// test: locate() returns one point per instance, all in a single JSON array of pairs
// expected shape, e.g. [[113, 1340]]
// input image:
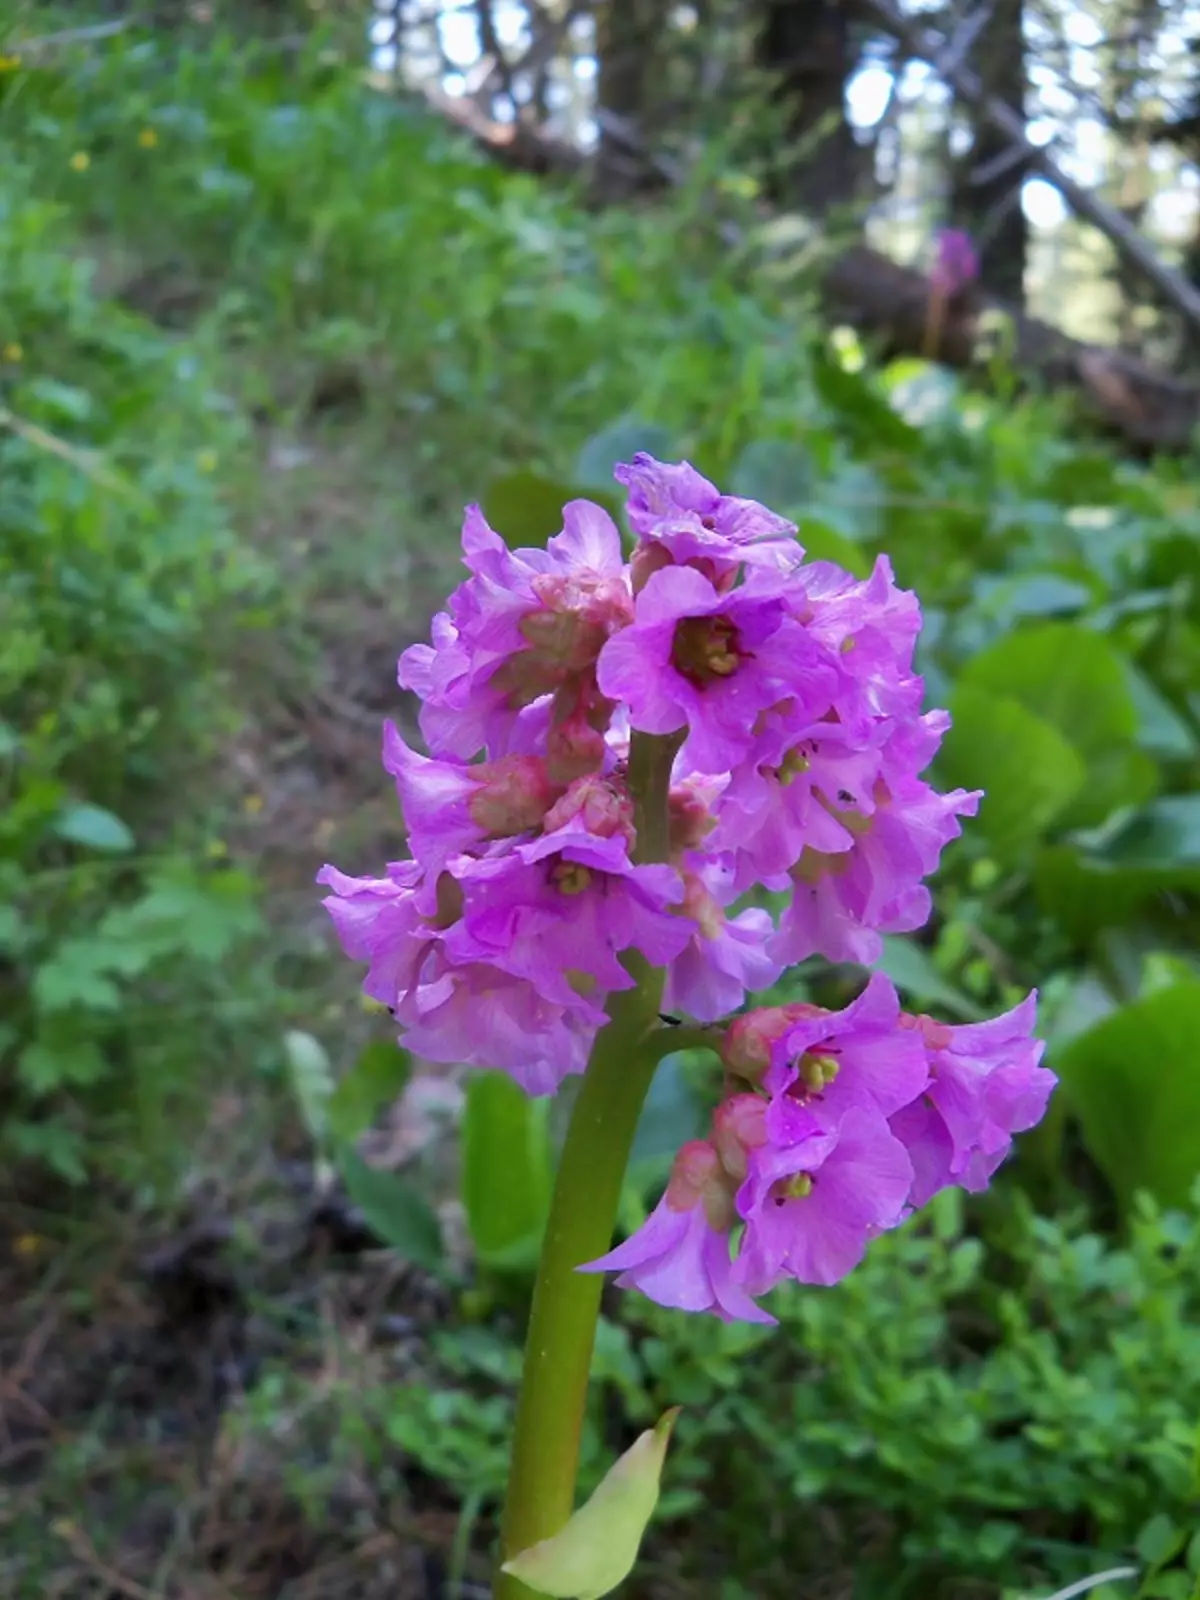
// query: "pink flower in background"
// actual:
[[955, 263]]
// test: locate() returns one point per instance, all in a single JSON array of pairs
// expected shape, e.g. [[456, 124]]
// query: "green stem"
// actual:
[[566, 1302]]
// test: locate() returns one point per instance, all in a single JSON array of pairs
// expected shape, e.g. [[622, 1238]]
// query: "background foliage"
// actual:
[[263, 329]]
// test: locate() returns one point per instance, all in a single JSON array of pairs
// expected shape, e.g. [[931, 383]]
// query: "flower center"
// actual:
[[817, 1072], [570, 877], [706, 648], [797, 1188]]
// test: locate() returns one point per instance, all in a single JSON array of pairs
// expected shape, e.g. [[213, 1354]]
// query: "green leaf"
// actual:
[[378, 1077], [599, 1545], [394, 1211], [311, 1076], [621, 441], [777, 473], [527, 509], [823, 543], [1160, 1539], [1133, 1082], [1075, 681], [672, 1114], [505, 1169], [93, 826], [913, 972], [43, 1067], [1161, 731], [1027, 770]]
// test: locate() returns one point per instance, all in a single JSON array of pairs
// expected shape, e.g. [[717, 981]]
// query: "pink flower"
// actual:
[[478, 1016], [680, 1255], [811, 1205], [450, 807], [725, 956], [829, 1063], [558, 911], [956, 263], [842, 902], [523, 625], [985, 1084], [389, 922], [709, 662], [682, 518]]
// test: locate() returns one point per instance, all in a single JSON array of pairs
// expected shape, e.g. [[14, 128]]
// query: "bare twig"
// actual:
[[1124, 236], [26, 49]]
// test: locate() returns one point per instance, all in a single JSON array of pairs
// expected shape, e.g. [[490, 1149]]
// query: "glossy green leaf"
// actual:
[[912, 971], [310, 1073], [94, 827], [506, 1169], [1073, 679], [394, 1210], [378, 1077], [1160, 729], [599, 1545], [1132, 1081], [775, 472], [526, 509], [1028, 771], [621, 441]]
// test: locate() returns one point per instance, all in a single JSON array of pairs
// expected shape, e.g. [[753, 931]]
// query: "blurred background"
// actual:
[[281, 288]]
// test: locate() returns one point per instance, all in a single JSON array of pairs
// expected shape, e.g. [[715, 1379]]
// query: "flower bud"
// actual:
[[750, 1038], [514, 795], [698, 1178], [739, 1126], [598, 805]]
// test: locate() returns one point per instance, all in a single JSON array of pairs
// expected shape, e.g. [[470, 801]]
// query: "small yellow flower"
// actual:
[[148, 138], [13, 352], [370, 1006], [10, 63], [80, 161], [252, 804], [217, 849], [28, 1245], [206, 460]]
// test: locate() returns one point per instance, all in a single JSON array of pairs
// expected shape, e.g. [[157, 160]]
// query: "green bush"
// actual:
[[120, 583]]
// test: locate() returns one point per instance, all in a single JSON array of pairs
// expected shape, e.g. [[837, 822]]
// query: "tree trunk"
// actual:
[[990, 211], [806, 45], [629, 45]]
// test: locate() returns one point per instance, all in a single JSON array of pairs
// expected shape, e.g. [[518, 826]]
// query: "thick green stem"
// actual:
[[566, 1302]]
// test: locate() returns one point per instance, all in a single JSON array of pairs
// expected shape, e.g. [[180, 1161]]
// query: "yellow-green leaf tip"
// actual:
[[597, 1548]]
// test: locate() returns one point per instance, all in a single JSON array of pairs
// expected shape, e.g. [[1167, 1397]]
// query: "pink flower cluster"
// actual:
[[789, 692], [835, 1127]]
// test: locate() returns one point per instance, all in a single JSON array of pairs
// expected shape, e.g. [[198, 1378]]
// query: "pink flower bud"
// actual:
[[750, 1038], [739, 1126], [698, 1178], [597, 805], [514, 795]]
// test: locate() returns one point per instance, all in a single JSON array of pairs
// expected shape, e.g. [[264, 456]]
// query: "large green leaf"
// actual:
[[912, 971], [1099, 880], [394, 1211], [94, 827], [378, 1076], [506, 1169], [1077, 682], [1028, 771], [621, 441], [526, 509], [1134, 1084], [775, 472]]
